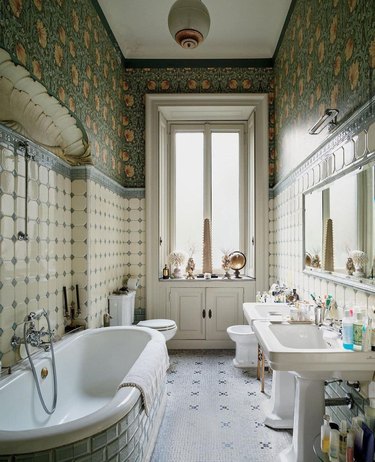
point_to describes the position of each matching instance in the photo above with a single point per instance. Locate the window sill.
(366, 285)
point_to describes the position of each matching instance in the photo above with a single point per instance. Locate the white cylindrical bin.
(121, 309)
(246, 345)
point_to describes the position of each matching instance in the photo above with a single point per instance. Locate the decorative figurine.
(350, 266)
(190, 267)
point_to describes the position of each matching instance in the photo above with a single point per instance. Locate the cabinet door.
(187, 309)
(224, 309)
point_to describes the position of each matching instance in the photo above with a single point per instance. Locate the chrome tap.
(33, 336)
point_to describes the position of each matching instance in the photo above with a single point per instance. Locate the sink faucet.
(33, 336)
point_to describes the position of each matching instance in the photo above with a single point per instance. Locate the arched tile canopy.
(27, 108)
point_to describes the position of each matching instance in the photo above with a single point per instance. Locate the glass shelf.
(317, 451)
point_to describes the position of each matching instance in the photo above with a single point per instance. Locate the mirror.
(349, 201)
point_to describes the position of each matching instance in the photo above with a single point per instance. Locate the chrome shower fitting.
(23, 146)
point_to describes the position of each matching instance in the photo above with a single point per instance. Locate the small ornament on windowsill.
(176, 260)
(225, 264)
(190, 267)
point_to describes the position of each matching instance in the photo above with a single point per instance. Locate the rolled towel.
(149, 371)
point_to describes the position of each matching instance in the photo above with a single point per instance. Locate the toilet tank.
(121, 309)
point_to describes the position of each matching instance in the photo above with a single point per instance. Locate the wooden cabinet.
(205, 313)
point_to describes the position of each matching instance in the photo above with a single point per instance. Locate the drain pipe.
(22, 145)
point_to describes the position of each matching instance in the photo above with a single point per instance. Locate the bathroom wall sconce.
(328, 118)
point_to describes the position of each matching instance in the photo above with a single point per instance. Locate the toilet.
(167, 327)
(246, 345)
(121, 311)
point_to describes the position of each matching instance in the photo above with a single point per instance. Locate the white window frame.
(207, 128)
(156, 107)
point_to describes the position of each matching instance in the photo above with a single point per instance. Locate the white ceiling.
(240, 29)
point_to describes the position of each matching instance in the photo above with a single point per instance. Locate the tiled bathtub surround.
(84, 229)
(129, 440)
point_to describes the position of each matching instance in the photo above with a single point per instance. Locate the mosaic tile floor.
(214, 412)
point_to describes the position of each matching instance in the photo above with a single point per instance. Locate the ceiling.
(240, 29)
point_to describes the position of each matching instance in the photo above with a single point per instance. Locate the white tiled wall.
(32, 273)
(80, 233)
(116, 247)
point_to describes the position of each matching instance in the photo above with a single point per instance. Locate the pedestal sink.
(279, 409)
(312, 355)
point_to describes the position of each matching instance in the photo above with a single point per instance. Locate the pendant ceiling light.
(189, 22)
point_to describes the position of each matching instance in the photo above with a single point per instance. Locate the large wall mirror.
(348, 200)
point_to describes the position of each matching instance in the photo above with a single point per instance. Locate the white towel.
(149, 371)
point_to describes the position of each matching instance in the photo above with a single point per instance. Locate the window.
(164, 110)
(207, 180)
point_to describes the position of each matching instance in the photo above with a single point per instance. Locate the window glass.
(225, 195)
(189, 163)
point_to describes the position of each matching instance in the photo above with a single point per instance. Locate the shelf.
(318, 452)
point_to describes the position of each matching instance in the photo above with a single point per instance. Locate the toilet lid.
(159, 324)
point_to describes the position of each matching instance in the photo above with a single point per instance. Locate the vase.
(177, 272)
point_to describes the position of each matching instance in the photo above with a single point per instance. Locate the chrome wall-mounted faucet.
(33, 336)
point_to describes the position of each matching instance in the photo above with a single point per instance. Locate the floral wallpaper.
(326, 60)
(138, 82)
(65, 46)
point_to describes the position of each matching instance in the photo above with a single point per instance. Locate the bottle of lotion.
(357, 332)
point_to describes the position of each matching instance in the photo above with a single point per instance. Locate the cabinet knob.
(204, 313)
(210, 314)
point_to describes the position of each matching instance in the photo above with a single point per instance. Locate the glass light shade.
(189, 22)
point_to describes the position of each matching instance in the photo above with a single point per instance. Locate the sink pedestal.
(308, 414)
(279, 409)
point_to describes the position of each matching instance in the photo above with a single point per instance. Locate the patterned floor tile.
(214, 412)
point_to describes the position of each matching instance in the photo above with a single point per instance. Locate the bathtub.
(92, 414)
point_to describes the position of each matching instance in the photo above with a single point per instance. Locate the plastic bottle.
(350, 447)
(334, 443)
(367, 334)
(357, 332)
(342, 440)
(347, 331)
(325, 430)
(358, 436)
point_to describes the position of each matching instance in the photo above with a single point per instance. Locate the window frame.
(207, 128)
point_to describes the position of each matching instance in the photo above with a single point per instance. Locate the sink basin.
(312, 355)
(311, 350)
(253, 311)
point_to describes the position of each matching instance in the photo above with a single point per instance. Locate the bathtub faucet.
(33, 336)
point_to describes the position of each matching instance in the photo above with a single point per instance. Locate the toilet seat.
(158, 324)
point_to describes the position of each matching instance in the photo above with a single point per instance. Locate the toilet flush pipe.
(22, 145)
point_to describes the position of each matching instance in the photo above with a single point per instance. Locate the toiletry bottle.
(347, 331)
(357, 332)
(334, 443)
(367, 334)
(295, 296)
(358, 436)
(325, 430)
(165, 272)
(350, 447)
(342, 440)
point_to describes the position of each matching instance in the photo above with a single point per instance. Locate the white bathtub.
(90, 366)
